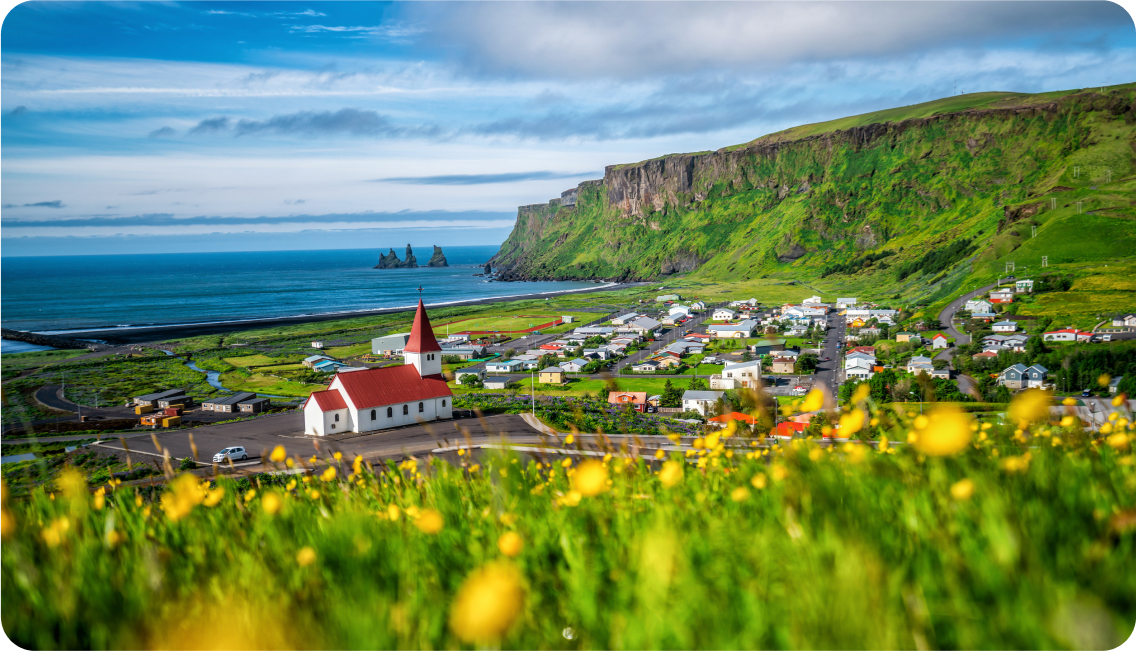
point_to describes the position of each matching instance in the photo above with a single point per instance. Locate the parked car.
(235, 453)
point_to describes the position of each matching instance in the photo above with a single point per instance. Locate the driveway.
(967, 385)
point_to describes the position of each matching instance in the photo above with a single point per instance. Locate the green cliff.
(896, 200)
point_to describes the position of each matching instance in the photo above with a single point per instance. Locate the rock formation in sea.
(438, 259)
(392, 261)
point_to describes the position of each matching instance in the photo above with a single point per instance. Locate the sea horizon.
(140, 290)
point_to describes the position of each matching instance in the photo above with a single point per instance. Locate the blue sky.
(128, 125)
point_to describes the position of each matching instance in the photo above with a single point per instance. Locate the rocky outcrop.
(46, 340)
(437, 260)
(392, 261)
(682, 262)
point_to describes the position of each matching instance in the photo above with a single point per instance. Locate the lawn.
(280, 367)
(261, 383)
(251, 360)
(343, 352)
(523, 320)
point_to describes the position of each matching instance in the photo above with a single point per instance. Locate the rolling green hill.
(918, 201)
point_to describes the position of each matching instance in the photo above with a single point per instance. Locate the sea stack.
(410, 260)
(438, 259)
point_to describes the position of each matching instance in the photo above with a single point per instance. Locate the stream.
(214, 380)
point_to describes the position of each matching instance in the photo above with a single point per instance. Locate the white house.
(723, 314)
(920, 363)
(1067, 334)
(1005, 326)
(1024, 286)
(642, 326)
(736, 331)
(504, 366)
(738, 375)
(939, 341)
(679, 311)
(574, 366)
(1125, 321)
(977, 305)
(846, 302)
(496, 383)
(812, 300)
(625, 318)
(859, 368)
(700, 401)
(381, 398)
(646, 366)
(1021, 376)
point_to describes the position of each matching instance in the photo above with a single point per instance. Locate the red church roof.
(328, 400)
(422, 336)
(391, 385)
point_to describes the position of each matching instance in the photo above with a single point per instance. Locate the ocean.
(73, 294)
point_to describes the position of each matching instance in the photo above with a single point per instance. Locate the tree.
(807, 363)
(471, 380)
(698, 384)
(509, 353)
(671, 396)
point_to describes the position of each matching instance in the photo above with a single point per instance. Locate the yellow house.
(903, 337)
(857, 323)
(552, 375)
(667, 361)
(782, 365)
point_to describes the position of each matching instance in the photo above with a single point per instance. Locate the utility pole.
(1079, 207)
(1053, 203)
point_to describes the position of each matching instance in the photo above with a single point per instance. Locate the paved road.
(967, 384)
(261, 435)
(831, 374)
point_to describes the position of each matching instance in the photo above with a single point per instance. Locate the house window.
(337, 418)
(420, 407)
(444, 402)
(406, 410)
(390, 412)
(372, 414)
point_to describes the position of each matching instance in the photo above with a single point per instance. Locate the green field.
(510, 322)
(961, 541)
(251, 360)
(262, 383)
(343, 352)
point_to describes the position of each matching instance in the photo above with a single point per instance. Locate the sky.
(228, 126)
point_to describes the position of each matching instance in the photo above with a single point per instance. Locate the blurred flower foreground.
(922, 530)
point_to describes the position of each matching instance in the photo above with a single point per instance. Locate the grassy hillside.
(963, 539)
(869, 205)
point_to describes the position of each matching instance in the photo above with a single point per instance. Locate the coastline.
(145, 334)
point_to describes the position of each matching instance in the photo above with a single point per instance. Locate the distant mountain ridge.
(890, 186)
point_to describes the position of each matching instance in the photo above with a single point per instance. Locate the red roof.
(328, 400)
(1072, 331)
(390, 385)
(939, 336)
(788, 429)
(734, 415)
(422, 336)
(986, 354)
(625, 397)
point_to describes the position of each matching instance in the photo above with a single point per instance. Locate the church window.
(444, 402)
(372, 414)
(337, 418)
(390, 412)
(406, 409)
(420, 407)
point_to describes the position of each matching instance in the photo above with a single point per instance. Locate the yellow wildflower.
(883, 445)
(213, 497)
(571, 499)
(314, 494)
(100, 499)
(852, 422)
(510, 543)
(290, 485)
(329, 474)
(183, 494)
(475, 467)
(271, 503)
(1016, 464)
(1117, 400)
(429, 521)
(659, 454)
(711, 441)
(671, 473)
(1030, 406)
(1119, 441)
(306, 556)
(278, 454)
(252, 492)
(758, 481)
(487, 604)
(778, 472)
(962, 489)
(569, 439)
(740, 494)
(1103, 380)
(860, 394)
(948, 432)
(567, 462)
(1067, 421)
(53, 534)
(591, 478)
(337, 456)
(813, 401)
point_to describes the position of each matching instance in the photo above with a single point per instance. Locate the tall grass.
(985, 537)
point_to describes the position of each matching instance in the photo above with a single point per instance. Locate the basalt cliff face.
(437, 259)
(906, 181)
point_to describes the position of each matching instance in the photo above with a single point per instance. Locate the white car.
(235, 453)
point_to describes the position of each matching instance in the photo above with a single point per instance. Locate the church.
(381, 398)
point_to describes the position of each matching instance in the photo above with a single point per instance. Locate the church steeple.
(422, 348)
